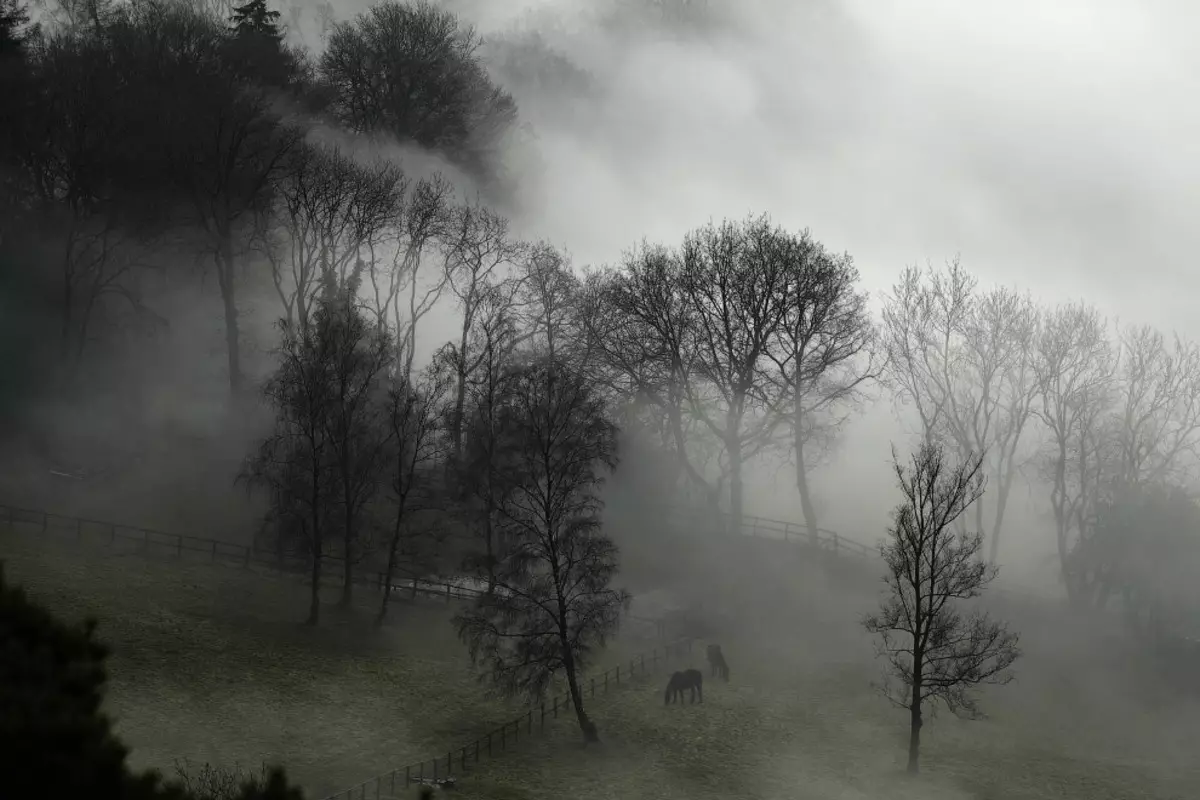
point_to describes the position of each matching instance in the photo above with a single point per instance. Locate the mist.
(1051, 147)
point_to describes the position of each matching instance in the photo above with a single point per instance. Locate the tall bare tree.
(933, 652)
(824, 355)
(547, 295)
(415, 446)
(733, 278)
(335, 214)
(293, 465)
(554, 603)
(481, 256)
(358, 354)
(411, 69)
(1075, 364)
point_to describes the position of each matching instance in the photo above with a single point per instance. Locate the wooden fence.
(458, 760)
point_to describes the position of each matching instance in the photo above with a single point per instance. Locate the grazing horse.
(716, 660)
(682, 681)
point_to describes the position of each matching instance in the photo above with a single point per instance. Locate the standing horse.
(682, 681)
(716, 660)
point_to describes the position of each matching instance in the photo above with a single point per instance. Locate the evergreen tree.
(54, 739)
(255, 18)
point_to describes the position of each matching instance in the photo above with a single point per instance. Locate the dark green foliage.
(54, 740)
(15, 30)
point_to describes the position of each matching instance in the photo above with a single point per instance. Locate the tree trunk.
(348, 563)
(460, 390)
(585, 724)
(914, 729)
(489, 543)
(998, 524)
(390, 570)
(736, 487)
(806, 504)
(227, 284)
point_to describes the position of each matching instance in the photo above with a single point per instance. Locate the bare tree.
(1075, 365)
(553, 603)
(480, 257)
(547, 295)
(1158, 409)
(415, 446)
(644, 327)
(920, 324)
(221, 142)
(293, 464)
(494, 338)
(358, 353)
(403, 293)
(733, 279)
(963, 359)
(411, 69)
(824, 354)
(932, 651)
(335, 213)
(992, 394)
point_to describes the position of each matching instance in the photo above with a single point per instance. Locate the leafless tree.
(933, 652)
(1075, 365)
(553, 603)
(358, 353)
(920, 324)
(223, 144)
(644, 328)
(415, 447)
(548, 290)
(963, 359)
(481, 256)
(411, 69)
(293, 465)
(493, 341)
(993, 393)
(1158, 408)
(404, 292)
(335, 213)
(732, 280)
(824, 355)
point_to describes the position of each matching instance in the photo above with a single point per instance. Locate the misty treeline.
(1103, 415)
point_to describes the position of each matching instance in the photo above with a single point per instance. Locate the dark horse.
(716, 660)
(681, 682)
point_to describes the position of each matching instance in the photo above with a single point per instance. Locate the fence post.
(449, 763)
(392, 790)
(543, 716)
(593, 681)
(529, 721)
(407, 776)
(214, 552)
(447, 594)
(516, 731)
(421, 777)
(606, 681)
(618, 674)
(463, 760)
(786, 528)
(554, 710)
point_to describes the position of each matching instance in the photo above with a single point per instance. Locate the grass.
(210, 663)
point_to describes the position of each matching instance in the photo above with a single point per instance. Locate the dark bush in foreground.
(54, 739)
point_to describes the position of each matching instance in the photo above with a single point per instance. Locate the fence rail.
(457, 760)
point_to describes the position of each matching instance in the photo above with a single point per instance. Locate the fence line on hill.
(446, 768)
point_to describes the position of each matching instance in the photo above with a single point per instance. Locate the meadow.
(211, 664)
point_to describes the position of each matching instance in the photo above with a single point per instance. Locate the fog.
(1054, 147)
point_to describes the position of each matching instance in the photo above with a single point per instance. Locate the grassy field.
(211, 664)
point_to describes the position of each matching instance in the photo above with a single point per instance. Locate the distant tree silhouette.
(54, 739)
